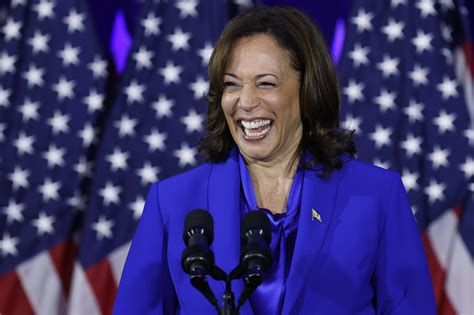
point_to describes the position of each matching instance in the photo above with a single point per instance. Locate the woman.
(344, 240)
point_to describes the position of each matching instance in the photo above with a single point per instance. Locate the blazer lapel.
(318, 201)
(224, 205)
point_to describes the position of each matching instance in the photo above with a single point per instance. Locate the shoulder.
(366, 177)
(185, 180)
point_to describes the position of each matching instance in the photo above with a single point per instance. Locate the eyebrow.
(258, 76)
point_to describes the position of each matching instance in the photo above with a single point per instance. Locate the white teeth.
(255, 123)
(250, 134)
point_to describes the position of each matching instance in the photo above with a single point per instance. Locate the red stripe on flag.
(436, 270)
(469, 56)
(458, 211)
(63, 256)
(103, 284)
(13, 300)
(438, 277)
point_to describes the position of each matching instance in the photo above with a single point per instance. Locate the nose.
(248, 98)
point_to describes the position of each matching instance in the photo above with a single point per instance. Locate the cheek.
(227, 102)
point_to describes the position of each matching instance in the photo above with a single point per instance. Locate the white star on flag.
(412, 145)
(29, 110)
(118, 160)
(186, 155)
(414, 111)
(98, 67)
(11, 29)
(54, 156)
(394, 30)
(386, 100)
(44, 9)
(4, 96)
(88, 135)
(439, 157)
(435, 191)
(151, 24)
(148, 173)
(24, 143)
(134, 92)
(205, 53)
(410, 180)
(19, 178)
(199, 87)
(103, 227)
(59, 122)
(34, 76)
(179, 40)
(363, 21)
(187, 8)
(94, 101)
(354, 91)
(448, 88)
(359, 55)
(171, 73)
(426, 7)
(419, 75)
(163, 107)
(155, 140)
(7, 63)
(137, 207)
(143, 58)
(381, 136)
(110, 193)
(69, 55)
(445, 121)
(74, 21)
(14, 212)
(389, 66)
(193, 121)
(44, 224)
(64, 88)
(39, 42)
(126, 126)
(8, 245)
(49, 190)
(422, 42)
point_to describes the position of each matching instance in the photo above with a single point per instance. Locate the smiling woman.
(343, 238)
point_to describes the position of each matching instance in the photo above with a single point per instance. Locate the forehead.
(258, 51)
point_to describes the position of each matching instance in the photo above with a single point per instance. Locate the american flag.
(151, 133)
(406, 78)
(52, 82)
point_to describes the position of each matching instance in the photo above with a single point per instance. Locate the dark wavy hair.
(319, 89)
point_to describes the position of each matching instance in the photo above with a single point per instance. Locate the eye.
(229, 85)
(266, 85)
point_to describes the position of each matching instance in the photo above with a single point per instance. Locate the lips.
(255, 129)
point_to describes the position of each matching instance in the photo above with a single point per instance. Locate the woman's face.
(261, 100)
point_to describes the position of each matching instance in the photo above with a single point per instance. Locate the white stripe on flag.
(465, 78)
(42, 285)
(441, 233)
(117, 260)
(460, 278)
(82, 300)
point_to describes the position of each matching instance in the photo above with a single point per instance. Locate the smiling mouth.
(255, 129)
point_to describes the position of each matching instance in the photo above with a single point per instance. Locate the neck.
(272, 180)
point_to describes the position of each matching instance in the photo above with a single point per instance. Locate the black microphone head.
(256, 220)
(200, 219)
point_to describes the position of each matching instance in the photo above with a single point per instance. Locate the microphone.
(255, 257)
(197, 259)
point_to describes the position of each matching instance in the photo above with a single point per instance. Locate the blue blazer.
(365, 256)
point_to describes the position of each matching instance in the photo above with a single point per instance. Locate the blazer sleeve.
(145, 286)
(402, 281)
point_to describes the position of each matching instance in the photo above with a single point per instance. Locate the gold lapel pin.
(316, 216)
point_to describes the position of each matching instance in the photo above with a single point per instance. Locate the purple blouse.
(268, 297)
